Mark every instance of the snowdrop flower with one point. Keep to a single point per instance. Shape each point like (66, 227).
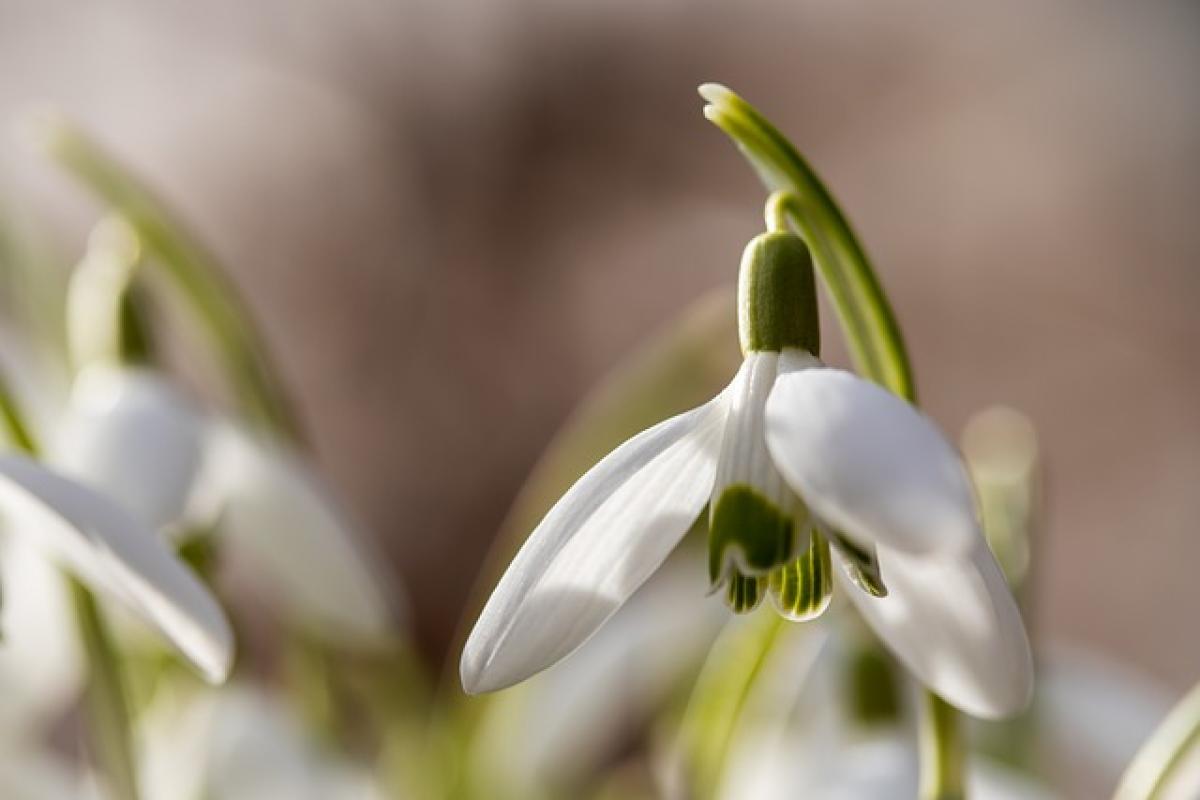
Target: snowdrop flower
(106, 542)
(131, 434)
(135, 437)
(799, 465)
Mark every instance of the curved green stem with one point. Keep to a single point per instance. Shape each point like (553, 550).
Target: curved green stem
(196, 273)
(1152, 768)
(943, 757)
(105, 318)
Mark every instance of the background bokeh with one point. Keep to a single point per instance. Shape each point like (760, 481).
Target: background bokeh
(453, 217)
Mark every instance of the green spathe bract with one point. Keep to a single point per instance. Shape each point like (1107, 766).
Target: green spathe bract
(872, 333)
(777, 296)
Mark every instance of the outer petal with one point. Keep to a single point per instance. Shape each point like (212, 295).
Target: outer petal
(598, 544)
(954, 623)
(286, 533)
(113, 552)
(134, 438)
(870, 464)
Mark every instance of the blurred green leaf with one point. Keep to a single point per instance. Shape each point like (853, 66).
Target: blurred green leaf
(721, 697)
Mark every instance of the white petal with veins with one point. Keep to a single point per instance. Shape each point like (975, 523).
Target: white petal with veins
(954, 623)
(869, 464)
(598, 544)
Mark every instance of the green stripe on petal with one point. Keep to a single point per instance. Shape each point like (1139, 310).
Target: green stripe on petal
(749, 532)
(777, 295)
(743, 593)
(801, 590)
(861, 563)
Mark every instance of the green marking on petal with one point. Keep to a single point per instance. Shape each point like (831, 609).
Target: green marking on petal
(743, 593)
(801, 590)
(862, 564)
(748, 531)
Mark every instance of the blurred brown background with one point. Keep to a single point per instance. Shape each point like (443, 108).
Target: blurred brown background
(452, 218)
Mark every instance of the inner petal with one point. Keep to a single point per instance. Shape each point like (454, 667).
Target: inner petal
(860, 563)
(801, 589)
(743, 593)
(756, 522)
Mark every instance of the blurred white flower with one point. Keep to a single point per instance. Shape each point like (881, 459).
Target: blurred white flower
(132, 435)
(240, 744)
(791, 458)
(116, 554)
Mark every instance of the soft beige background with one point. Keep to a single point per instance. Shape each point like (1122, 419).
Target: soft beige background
(453, 217)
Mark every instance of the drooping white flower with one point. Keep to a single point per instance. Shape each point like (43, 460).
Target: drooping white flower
(94, 507)
(136, 438)
(791, 459)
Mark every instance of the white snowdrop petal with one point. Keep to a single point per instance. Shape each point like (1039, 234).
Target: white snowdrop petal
(869, 464)
(954, 623)
(134, 438)
(281, 527)
(111, 551)
(598, 544)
